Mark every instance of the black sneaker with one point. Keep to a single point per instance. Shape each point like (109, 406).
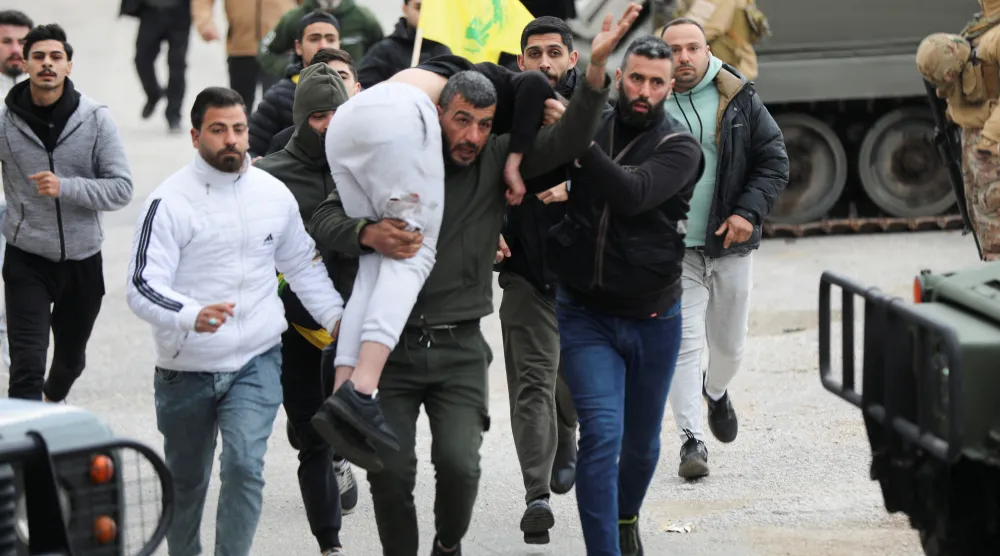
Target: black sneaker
(363, 413)
(537, 521)
(150, 105)
(347, 484)
(436, 549)
(694, 458)
(628, 537)
(346, 441)
(722, 418)
(564, 465)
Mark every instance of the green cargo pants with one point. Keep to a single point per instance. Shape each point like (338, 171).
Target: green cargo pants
(541, 407)
(446, 371)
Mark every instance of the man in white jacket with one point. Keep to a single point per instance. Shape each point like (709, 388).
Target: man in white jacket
(202, 273)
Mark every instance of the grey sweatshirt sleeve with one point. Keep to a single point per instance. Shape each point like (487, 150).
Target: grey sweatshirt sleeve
(112, 188)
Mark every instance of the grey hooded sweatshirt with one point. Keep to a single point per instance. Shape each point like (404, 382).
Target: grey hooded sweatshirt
(86, 155)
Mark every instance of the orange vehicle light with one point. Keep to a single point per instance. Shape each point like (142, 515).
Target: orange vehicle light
(102, 469)
(105, 529)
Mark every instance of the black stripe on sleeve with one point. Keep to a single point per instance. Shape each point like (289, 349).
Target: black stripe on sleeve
(138, 281)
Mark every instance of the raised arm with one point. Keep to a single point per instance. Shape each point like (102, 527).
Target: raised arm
(569, 138)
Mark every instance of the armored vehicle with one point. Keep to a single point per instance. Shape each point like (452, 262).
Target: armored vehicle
(929, 389)
(69, 487)
(840, 78)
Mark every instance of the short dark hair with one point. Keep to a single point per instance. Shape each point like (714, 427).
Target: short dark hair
(473, 86)
(650, 47)
(684, 21)
(316, 16)
(15, 18)
(214, 97)
(48, 32)
(545, 25)
(327, 55)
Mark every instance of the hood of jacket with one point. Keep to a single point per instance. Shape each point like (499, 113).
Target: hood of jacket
(69, 108)
(403, 32)
(342, 8)
(320, 88)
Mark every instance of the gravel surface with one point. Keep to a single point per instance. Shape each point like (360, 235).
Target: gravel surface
(794, 482)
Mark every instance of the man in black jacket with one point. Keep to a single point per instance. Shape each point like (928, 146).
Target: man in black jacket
(162, 21)
(319, 30)
(541, 408)
(747, 168)
(395, 52)
(617, 254)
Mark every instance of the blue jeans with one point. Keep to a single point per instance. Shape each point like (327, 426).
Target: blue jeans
(191, 409)
(618, 371)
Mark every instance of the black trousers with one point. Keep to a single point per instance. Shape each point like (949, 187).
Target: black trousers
(155, 27)
(245, 74)
(304, 389)
(75, 291)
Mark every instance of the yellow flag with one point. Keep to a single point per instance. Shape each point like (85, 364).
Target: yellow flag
(477, 30)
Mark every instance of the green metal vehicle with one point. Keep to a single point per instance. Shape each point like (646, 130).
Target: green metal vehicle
(930, 399)
(68, 487)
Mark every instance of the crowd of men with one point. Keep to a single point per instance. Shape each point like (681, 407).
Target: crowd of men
(333, 252)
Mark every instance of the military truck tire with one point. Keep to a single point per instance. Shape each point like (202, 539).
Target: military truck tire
(817, 170)
(900, 168)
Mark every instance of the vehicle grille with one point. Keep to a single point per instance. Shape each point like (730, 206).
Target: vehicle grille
(8, 511)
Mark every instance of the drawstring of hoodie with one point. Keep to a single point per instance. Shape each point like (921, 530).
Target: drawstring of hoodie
(701, 126)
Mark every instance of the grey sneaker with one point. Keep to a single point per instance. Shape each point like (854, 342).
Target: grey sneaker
(537, 521)
(694, 458)
(338, 551)
(347, 485)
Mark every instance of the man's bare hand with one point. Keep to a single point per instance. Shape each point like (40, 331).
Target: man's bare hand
(737, 230)
(605, 42)
(210, 33)
(47, 183)
(557, 194)
(502, 250)
(389, 238)
(553, 111)
(212, 317)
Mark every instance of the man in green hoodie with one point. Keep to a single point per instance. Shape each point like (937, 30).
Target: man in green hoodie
(302, 167)
(746, 168)
(359, 31)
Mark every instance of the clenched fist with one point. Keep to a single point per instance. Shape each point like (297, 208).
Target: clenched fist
(47, 183)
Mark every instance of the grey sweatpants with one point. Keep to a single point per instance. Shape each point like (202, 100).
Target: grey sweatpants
(715, 307)
(384, 151)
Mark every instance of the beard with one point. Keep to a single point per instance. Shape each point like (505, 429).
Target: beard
(228, 160)
(12, 71)
(628, 114)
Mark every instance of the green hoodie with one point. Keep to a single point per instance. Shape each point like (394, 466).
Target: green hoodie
(301, 165)
(359, 31)
(698, 110)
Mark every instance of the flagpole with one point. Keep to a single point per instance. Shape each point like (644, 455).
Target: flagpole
(417, 43)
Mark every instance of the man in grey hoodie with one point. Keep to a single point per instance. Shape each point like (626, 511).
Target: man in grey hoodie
(63, 165)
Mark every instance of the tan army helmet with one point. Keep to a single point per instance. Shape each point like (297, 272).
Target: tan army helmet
(941, 58)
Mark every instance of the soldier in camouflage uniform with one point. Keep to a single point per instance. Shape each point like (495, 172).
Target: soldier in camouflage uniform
(965, 69)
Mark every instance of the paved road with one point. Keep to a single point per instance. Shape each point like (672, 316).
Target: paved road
(795, 482)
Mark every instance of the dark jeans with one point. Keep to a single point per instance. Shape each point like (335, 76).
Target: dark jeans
(619, 372)
(191, 410)
(155, 27)
(74, 290)
(305, 388)
(446, 372)
(245, 74)
(541, 407)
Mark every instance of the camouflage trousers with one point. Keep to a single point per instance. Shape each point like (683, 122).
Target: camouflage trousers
(982, 194)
